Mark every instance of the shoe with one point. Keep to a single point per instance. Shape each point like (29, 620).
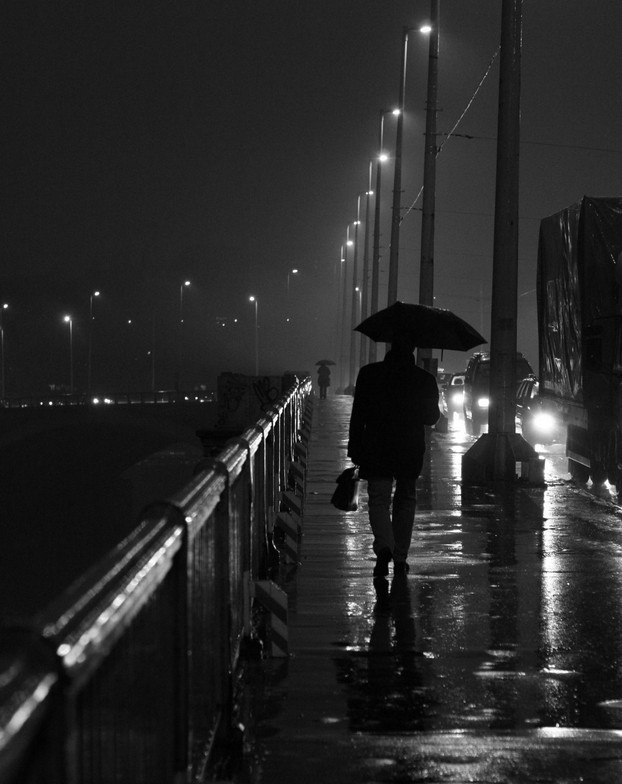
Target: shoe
(400, 567)
(381, 569)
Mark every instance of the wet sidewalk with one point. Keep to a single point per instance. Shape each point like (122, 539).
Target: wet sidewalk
(497, 659)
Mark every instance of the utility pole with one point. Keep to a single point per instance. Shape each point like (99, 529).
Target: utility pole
(495, 455)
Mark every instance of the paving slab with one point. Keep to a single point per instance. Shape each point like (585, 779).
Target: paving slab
(498, 658)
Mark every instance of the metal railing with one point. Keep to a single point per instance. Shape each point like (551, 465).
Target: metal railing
(128, 676)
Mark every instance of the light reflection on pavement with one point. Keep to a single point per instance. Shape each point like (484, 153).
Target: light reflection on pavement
(497, 659)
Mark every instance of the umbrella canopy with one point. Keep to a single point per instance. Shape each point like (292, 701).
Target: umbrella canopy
(428, 327)
(325, 362)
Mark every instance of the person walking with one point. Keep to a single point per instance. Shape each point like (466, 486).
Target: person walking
(323, 380)
(393, 401)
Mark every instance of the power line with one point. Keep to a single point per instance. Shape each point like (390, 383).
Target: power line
(541, 144)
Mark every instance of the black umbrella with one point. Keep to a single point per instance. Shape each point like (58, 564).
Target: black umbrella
(325, 362)
(428, 327)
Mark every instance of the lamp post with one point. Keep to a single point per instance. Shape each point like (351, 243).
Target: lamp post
(354, 313)
(153, 352)
(290, 272)
(253, 299)
(396, 217)
(364, 293)
(4, 307)
(69, 320)
(183, 286)
(375, 266)
(397, 178)
(344, 311)
(90, 353)
(426, 268)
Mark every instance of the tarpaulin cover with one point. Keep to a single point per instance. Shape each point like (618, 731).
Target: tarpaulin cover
(578, 294)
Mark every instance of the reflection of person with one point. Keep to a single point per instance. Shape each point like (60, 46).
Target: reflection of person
(323, 380)
(393, 400)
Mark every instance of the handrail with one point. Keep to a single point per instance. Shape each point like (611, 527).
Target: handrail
(129, 675)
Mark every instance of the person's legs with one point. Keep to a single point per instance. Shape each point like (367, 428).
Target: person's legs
(379, 494)
(404, 503)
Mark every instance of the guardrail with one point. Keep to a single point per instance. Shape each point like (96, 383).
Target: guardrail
(111, 398)
(129, 676)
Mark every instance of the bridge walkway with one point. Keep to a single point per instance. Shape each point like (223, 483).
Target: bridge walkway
(474, 667)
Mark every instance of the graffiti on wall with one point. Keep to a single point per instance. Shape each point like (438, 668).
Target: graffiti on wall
(244, 399)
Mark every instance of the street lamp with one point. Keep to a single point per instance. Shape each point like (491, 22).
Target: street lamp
(90, 354)
(397, 175)
(364, 294)
(4, 307)
(291, 272)
(254, 299)
(375, 264)
(344, 309)
(354, 313)
(183, 286)
(69, 320)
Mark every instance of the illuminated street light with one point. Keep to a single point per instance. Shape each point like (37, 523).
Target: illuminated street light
(4, 307)
(397, 177)
(291, 272)
(183, 286)
(363, 306)
(254, 299)
(354, 312)
(344, 311)
(375, 262)
(69, 320)
(90, 353)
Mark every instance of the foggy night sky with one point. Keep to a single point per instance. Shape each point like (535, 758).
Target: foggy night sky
(226, 142)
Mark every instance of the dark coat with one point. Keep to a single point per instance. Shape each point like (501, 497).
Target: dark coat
(323, 376)
(393, 401)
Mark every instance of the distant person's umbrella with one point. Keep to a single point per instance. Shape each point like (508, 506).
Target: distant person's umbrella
(325, 362)
(428, 327)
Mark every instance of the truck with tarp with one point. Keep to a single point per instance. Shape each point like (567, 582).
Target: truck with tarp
(579, 293)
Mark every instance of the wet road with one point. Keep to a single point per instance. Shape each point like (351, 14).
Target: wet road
(497, 659)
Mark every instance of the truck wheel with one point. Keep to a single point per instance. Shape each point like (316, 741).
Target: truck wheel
(578, 471)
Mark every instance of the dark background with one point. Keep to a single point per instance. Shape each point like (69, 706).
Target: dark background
(226, 142)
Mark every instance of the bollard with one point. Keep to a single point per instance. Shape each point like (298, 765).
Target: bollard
(274, 600)
(289, 524)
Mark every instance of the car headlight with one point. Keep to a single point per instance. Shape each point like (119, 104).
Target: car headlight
(457, 398)
(544, 423)
(482, 402)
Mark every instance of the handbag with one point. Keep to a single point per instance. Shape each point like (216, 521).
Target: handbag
(346, 496)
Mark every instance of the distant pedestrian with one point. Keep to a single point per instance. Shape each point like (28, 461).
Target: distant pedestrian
(323, 380)
(393, 401)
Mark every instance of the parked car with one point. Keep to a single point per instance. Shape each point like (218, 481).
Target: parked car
(477, 389)
(536, 418)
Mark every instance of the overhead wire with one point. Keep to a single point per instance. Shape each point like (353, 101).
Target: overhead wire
(457, 123)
